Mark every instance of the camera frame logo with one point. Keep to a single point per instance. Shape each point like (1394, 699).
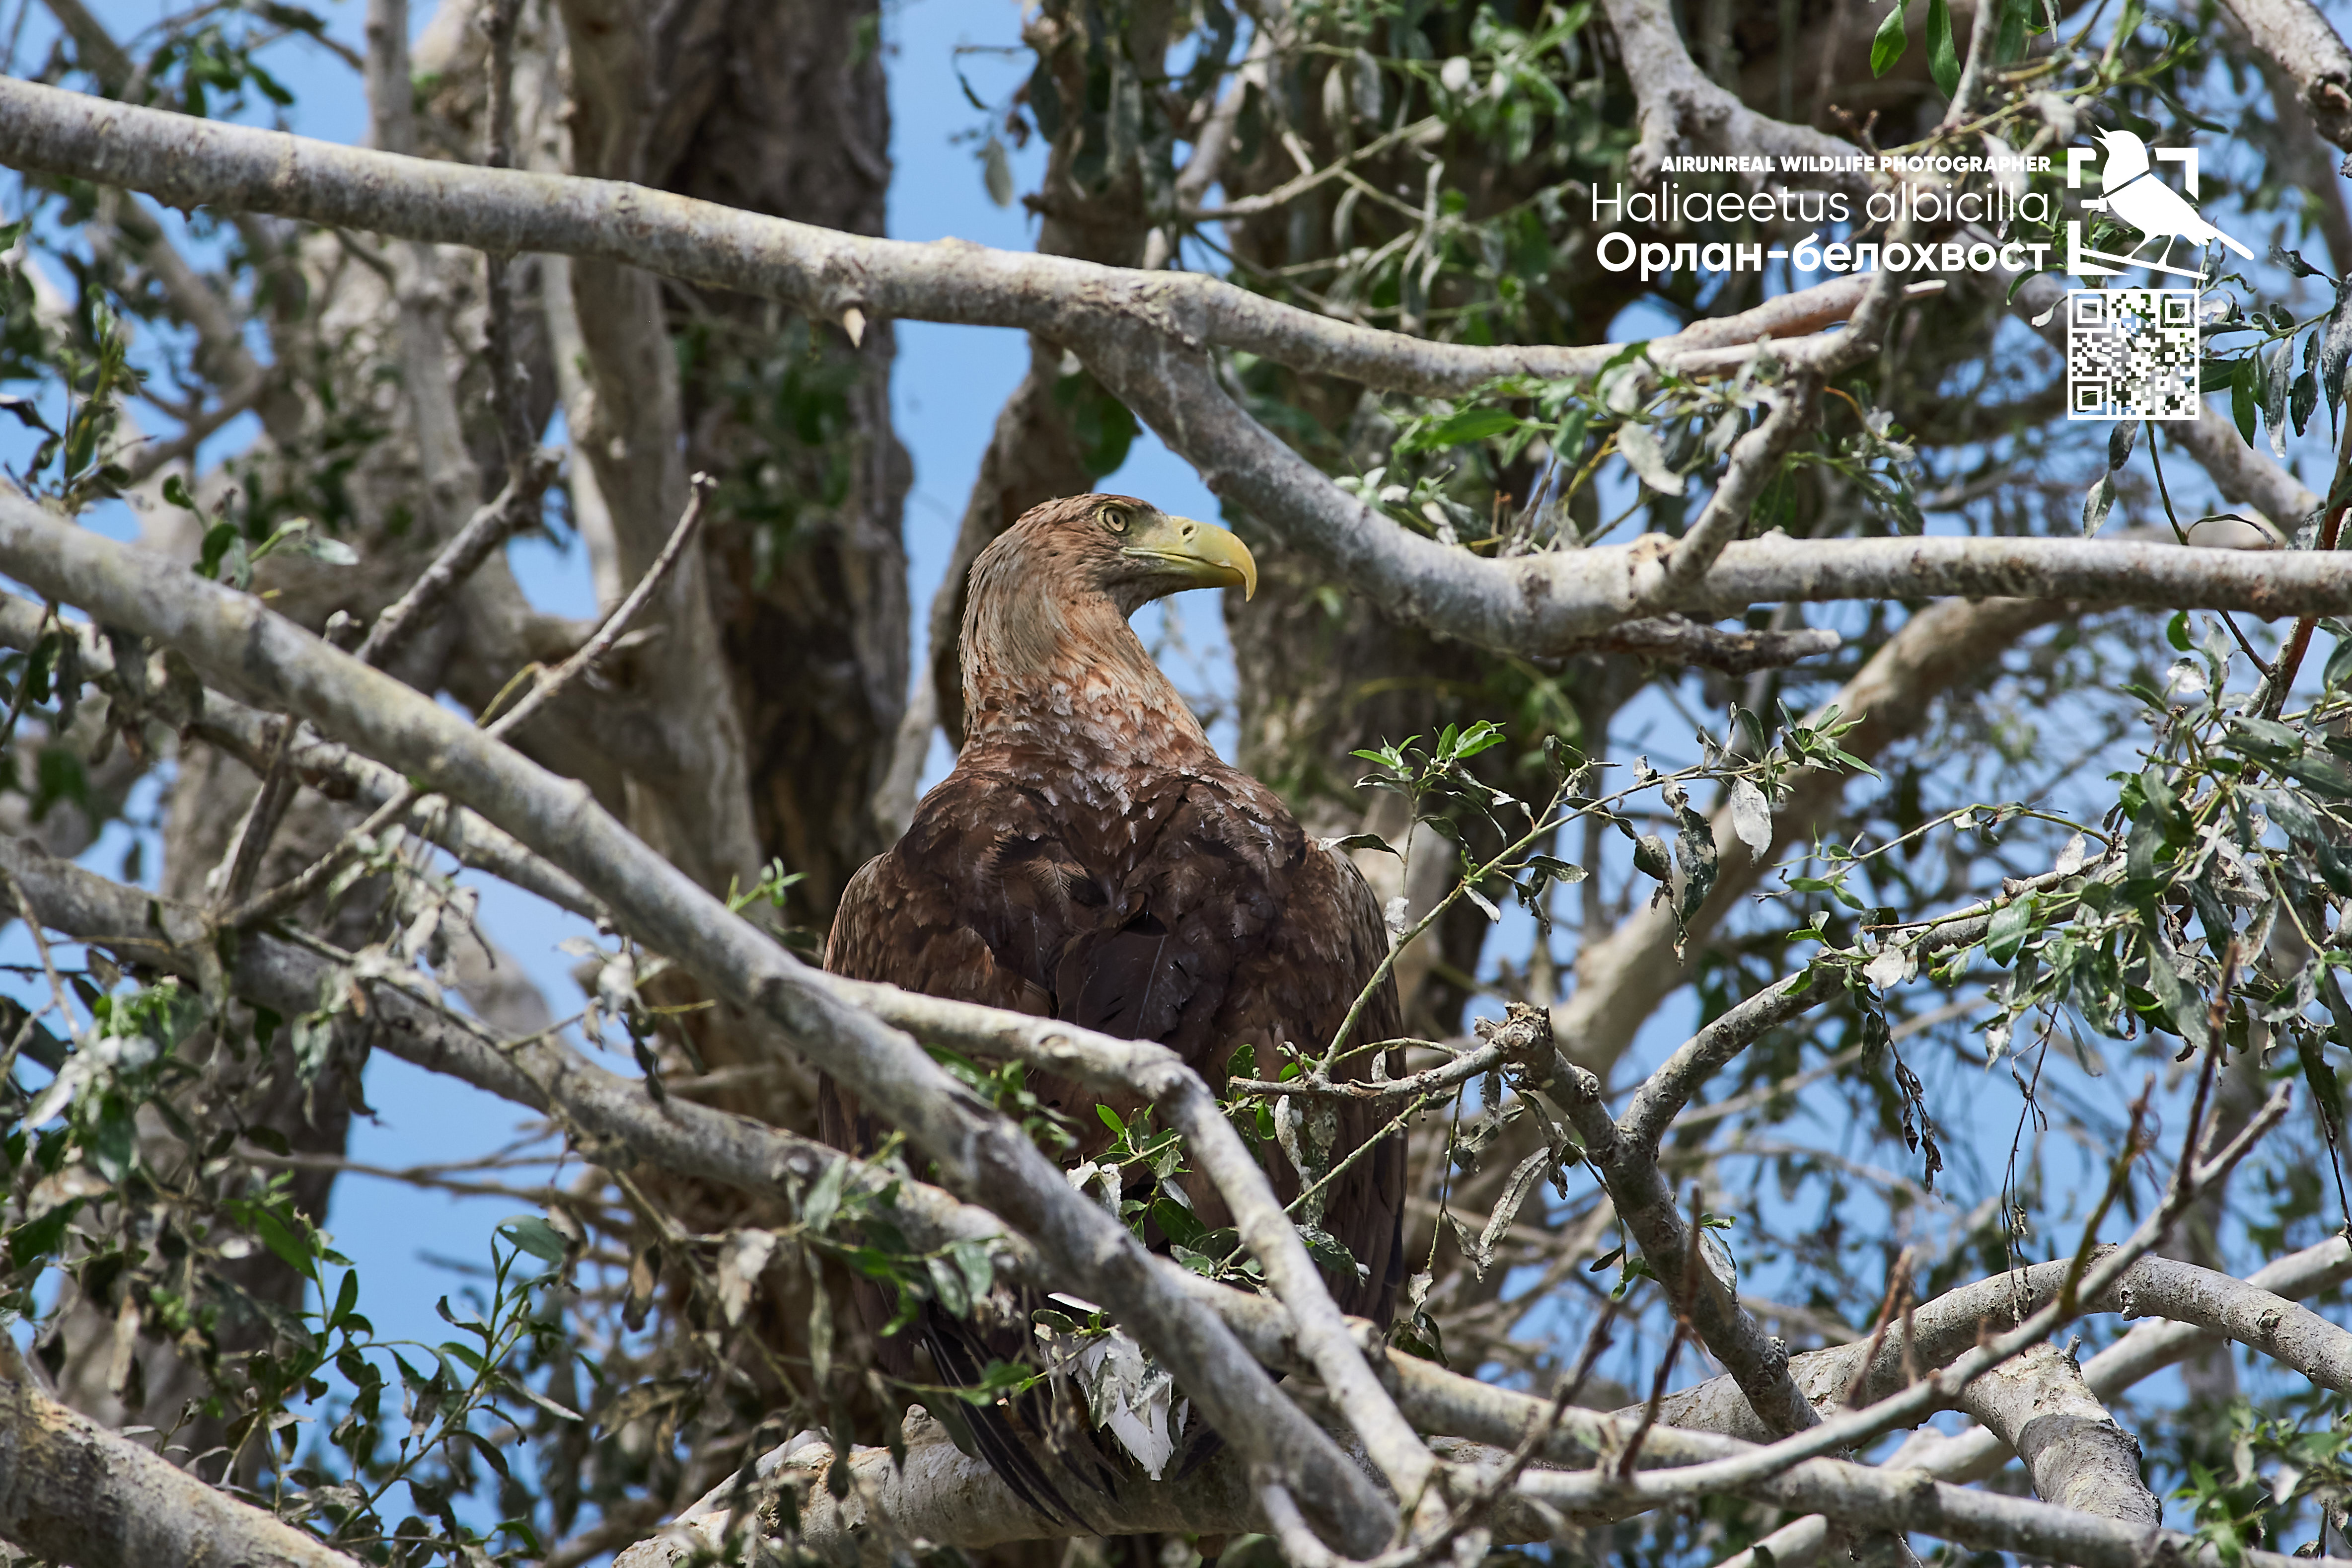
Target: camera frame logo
(2136, 353)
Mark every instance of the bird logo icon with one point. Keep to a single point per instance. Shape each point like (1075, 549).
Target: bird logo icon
(2131, 193)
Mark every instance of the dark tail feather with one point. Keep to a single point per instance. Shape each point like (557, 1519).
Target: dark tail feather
(960, 1361)
(1205, 1446)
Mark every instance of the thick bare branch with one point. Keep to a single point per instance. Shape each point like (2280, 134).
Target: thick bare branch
(2076, 1455)
(72, 1492)
(2147, 1350)
(937, 1494)
(2296, 37)
(1138, 331)
(1945, 1329)
(244, 647)
(1759, 1361)
(1673, 639)
(1682, 112)
(1665, 1091)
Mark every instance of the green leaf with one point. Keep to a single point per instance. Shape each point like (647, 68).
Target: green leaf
(534, 1235)
(39, 1239)
(217, 538)
(277, 1236)
(1362, 841)
(1478, 738)
(490, 1452)
(825, 1198)
(2265, 739)
(2322, 773)
(2098, 502)
(1471, 425)
(996, 173)
(2009, 45)
(1942, 60)
(1888, 46)
(2175, 631)
(947, 1287)
(978, 1272)
(318, 547)
(2010, 926)
(2186, 1011)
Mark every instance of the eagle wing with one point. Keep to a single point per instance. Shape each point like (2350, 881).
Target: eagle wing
(1184, 907)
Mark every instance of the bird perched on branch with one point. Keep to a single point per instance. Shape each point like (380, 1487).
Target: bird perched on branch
(1092, 859)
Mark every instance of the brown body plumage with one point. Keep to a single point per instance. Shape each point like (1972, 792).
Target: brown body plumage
(1092, 859)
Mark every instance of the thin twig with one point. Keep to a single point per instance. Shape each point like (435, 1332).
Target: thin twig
(1686, 1292)
(291, 892)
(2118, 1180)
(2290, 659)
(1300, 185)
(698, 490)
(1898, 1298)
(41, 945)
(515, 507)
(242, 863)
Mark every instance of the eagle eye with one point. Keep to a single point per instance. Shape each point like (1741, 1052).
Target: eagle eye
(1114, 518)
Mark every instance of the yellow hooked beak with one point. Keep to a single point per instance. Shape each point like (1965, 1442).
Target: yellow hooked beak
(1201, 555)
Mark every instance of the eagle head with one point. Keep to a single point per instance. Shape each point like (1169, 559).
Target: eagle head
(1127, 550)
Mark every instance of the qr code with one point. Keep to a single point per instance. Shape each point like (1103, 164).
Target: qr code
(2132, 353)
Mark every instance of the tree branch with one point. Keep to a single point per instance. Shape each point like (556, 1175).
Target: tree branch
(1142, 333)
(1622, 976)
(2147, 1350)
(335, 770)
(1673, 639)
(1759, 1361)
(1914, 1401)
(937, 1494)
(2075, 1452)
(1947, 1327)
(2298, 39)
(73, 1491)
(1682, 110)
(515, 508)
